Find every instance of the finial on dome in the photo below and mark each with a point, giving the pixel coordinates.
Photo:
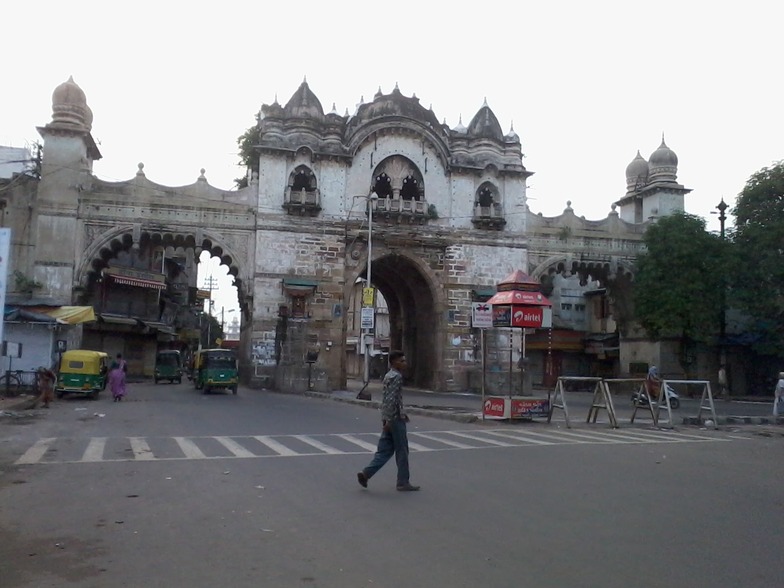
(140, 171)
(276, 99)
(305, 79)
(334, 109)
(396, 87)
(202, 178)
(485, 104)
(569, 205)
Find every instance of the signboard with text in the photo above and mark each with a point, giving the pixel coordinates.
(368, 316)
(481, 315)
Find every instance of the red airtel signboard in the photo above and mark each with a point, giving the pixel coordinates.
(527, 317)
(522, 316)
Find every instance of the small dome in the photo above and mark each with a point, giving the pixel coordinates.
(304, 104)
(485, 125)
(663, 156)
(460, 128)
(512, 135)
(636, 172)
(663, 164)
(69, 105)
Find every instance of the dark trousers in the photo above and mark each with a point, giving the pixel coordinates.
(392, 442)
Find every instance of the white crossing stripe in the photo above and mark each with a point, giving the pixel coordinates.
(444, 441)
(520, 437)
(94, 451)
(482, 439)
(359, 442)
(318, 444)
(141, 450)
(418, 447)
(278, 448)
(36, 452)
(237, 449)
(189, 448)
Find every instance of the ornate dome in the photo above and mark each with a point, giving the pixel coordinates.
(304, 104)
(636, 172)
(69, 105)
(663, 163)
(485, 125)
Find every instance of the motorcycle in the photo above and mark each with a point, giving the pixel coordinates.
(672, 396)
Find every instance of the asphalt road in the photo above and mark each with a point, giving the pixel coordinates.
(174, 488)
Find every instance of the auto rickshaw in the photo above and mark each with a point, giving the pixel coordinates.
(82, 372)
(214, 369)
(168, 366)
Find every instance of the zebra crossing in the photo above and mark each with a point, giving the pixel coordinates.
(54, 450)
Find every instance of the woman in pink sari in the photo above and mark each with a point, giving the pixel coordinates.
(117, 378)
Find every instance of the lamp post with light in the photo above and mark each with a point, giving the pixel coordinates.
(722, 208)
(368, 334)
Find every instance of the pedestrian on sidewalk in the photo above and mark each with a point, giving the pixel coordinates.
(394, 437)
(724, 391)
(778, 397)
(46, 380)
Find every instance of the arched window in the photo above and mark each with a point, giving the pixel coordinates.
(485, 197)
(302, 178)
(410, 189)
(382, 186)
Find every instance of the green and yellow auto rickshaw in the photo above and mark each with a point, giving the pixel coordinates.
(168, 366)
(214, 369)
(82, 372)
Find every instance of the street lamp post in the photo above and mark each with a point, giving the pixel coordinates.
(722, 208)
(368, 334)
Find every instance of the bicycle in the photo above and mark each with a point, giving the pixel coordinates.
(11, 383)
(14, 382)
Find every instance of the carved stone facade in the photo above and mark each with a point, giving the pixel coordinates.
(450, 219)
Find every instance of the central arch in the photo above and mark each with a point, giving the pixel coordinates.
(414, 312)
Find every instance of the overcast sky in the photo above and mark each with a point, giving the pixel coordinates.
(586, 84)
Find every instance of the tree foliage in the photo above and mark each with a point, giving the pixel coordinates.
(248, 156)
(757, 284)
(679, 280)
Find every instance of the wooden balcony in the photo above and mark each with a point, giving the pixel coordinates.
(489, 217)
(302, 202)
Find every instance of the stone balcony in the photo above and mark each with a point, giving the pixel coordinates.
(302, 202)
(489, 217)
(393, 210)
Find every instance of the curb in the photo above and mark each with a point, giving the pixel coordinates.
(736, 420)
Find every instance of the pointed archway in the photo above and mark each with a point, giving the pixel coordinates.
(413, 315)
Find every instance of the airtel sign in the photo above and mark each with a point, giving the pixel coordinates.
(534, 316)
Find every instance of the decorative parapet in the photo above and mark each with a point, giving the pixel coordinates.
(302, 202)
(395, 210)
(489, 217)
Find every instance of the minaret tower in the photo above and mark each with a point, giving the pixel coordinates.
(66, 170)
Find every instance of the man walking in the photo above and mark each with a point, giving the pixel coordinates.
(394, 438)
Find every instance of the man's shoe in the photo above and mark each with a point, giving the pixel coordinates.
(407, 488)
(362, 479)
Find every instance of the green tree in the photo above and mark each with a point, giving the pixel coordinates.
(757, 284)
(248, 156)
(678, 283)
(210, 331)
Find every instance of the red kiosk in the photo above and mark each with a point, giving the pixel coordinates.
(517, 303)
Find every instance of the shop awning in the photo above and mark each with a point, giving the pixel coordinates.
(64, 315)
(139, 282)
(117, 319)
